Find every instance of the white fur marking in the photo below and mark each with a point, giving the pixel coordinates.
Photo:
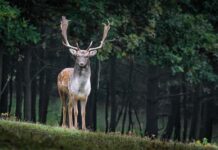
(80, 86)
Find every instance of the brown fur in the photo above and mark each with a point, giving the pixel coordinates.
(63, 79)
(62, 82)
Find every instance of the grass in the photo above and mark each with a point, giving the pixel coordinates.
(54, 115)
(20, 135)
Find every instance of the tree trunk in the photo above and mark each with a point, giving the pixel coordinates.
(1, 66)
(130, 93)
(92, 102)
(123, 105)
(90, 107)
(106, 108)
(96, 88)
(10, 93)
(194, 120)
(151, 106)
(169, 129)
(19, 87)
(207, 120)
(127, 98)
(185, 116)
(130, 126)
(138, 120)
(177, 135)
(174, 117)
(34, 94)
(124, 118)
(46, 97)
(113, 115)
(35, 71)
(41, 89)
(4, 91)
(27, 80)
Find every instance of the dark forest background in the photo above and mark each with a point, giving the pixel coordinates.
(157, 74)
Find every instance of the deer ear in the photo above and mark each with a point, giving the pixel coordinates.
(73, 52)
(92, 53)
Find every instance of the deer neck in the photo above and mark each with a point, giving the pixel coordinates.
(84, 72)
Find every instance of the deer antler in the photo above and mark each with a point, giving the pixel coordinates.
(106, 29)
(64, 26)
(90, 45)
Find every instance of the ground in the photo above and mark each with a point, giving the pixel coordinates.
(21, 135)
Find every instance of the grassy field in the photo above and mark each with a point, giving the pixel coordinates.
(20, 135)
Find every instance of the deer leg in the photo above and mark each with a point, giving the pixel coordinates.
(70, 110)
(64, 107)
(83, 112)
(75, 107)
(63, 100)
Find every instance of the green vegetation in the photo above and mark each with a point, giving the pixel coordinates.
(22, 135)
(156, 75)
(15, 30)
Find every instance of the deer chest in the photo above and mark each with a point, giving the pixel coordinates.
(80, 86)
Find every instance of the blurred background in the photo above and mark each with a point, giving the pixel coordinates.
(157, 74)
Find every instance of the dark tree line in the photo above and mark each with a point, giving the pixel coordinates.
(156, 75)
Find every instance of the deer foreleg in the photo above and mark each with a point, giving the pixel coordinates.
(64, 109)
(83, 112)
(75, 107)
(70, 110)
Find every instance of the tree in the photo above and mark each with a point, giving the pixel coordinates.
(16, 33)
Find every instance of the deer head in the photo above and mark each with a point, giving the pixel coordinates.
(82, 56)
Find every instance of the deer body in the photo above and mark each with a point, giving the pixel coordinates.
(74, 83)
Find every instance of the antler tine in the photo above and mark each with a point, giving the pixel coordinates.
(77, 45)
(90, 45)
(64, 26)
(106, 29)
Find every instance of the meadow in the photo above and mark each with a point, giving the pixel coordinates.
(22, 135)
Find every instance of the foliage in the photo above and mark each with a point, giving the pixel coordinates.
(162, 34)
(14, 29)
(178, 44)
(34, 136)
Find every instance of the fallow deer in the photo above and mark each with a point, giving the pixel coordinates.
(75, 82)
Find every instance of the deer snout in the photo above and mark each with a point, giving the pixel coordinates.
(81, 64)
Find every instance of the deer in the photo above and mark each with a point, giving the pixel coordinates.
(74, 83)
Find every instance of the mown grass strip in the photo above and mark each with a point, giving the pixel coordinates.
(20, 135)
